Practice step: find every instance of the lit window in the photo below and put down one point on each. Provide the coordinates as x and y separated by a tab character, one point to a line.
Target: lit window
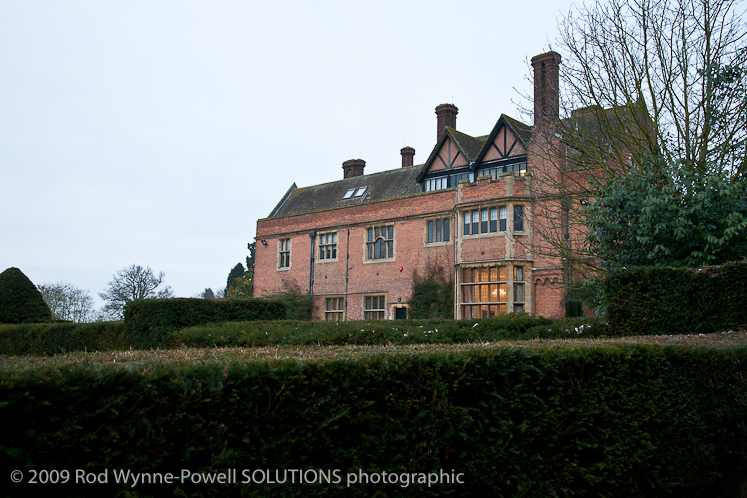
361	191
380	242
438	230
284	253
483	291
334	309
328	246
375	307
349	194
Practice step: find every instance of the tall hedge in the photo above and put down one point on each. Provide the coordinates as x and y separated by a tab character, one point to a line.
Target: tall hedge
149	321
663	300
46	339
520	422
20	300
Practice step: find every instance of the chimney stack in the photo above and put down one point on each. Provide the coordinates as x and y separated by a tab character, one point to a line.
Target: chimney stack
408	153
546	89
446	117
353	167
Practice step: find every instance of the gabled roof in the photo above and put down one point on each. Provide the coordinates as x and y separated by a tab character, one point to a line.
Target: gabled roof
520	130
469	146
381	186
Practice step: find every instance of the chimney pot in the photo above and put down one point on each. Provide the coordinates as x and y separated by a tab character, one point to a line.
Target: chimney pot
446	117
408	153
353	167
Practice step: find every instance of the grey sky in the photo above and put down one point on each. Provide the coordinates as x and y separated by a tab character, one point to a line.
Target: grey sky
157	133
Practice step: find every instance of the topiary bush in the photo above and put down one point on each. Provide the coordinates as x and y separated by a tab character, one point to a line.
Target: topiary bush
20	300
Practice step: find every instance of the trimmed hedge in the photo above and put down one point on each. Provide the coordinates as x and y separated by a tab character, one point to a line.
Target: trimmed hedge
20	300
662	300
521	422
150	320
43	339
502	327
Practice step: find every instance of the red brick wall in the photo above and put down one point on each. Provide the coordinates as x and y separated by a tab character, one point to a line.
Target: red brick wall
409	216
365	277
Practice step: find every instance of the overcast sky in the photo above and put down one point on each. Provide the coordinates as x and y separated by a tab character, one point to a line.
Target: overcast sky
157	133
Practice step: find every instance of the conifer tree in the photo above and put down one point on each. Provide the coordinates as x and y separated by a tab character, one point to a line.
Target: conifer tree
20	300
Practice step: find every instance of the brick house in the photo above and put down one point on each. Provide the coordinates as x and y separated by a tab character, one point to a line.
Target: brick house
355	243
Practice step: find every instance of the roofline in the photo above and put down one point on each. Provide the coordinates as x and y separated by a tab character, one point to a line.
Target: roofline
504	119
283	199
435	150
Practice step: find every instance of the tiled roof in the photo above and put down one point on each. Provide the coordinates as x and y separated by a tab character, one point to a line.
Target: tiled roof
381	186
523	130
471	146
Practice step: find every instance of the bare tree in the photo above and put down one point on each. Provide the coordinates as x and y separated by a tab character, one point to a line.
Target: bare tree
642	83
68	302
130	283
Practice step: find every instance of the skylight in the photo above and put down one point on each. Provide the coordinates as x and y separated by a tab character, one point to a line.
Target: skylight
361	191
349	193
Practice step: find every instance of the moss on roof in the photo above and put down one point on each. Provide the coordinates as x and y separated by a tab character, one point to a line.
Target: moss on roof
381	186
471	146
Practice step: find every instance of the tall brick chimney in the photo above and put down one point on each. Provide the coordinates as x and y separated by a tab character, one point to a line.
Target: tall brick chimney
353	167
546	89
446	117
408	153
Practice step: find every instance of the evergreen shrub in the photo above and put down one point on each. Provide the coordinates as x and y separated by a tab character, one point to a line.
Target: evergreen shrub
665	300
20	300
604	421
148	321
574	308
432	293
55	338
293	333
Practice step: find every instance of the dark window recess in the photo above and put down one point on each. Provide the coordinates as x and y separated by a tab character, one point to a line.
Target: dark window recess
438	230
455	179
380	242
285	255
518	218
484	221
375	307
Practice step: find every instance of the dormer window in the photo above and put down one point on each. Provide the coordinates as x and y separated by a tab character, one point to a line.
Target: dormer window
361	191
349	194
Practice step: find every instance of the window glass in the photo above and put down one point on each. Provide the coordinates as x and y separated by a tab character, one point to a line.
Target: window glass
466	223
431	232
380	242
333	309
349	193
493	219
328	246
483	291
284	254
374	308
518	218
503	218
